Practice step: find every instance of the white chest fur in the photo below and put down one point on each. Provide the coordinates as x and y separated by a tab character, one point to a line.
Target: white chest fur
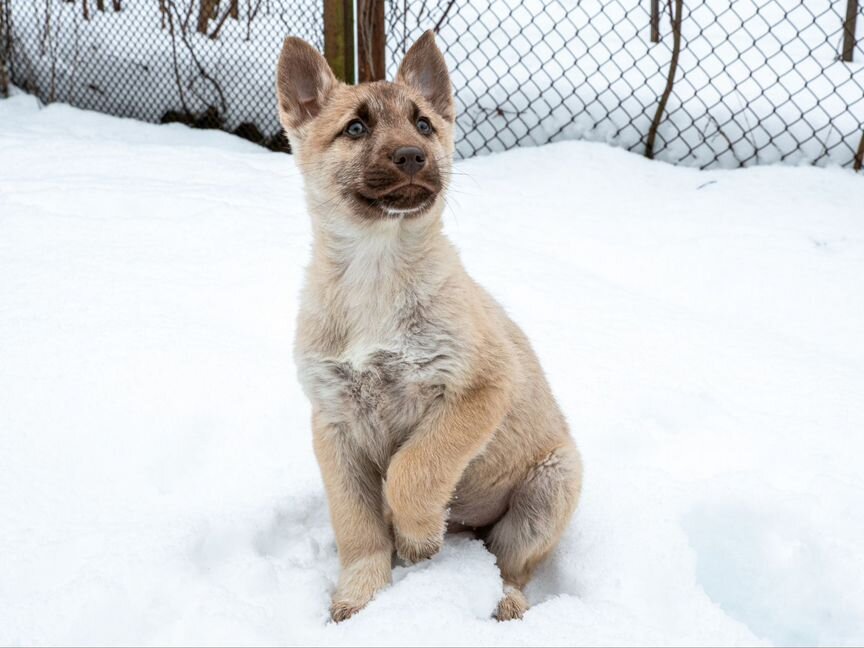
389	355
377	395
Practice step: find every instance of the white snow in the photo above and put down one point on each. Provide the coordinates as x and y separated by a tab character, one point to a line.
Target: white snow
703	331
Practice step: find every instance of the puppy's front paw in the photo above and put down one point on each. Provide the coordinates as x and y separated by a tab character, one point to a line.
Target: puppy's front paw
359	581
341	610
414	550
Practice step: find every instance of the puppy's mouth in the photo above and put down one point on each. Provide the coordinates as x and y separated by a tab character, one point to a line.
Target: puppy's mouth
409	199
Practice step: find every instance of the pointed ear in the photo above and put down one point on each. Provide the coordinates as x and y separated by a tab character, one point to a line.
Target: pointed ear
303	83
425	70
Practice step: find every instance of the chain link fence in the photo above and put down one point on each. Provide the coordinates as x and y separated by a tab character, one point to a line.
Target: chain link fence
734	84
757	81
208	63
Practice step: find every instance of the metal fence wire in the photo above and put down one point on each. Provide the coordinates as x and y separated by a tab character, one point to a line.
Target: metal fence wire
704	83
757	81
209	63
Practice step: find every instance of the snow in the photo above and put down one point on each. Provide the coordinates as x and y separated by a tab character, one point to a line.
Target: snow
701	329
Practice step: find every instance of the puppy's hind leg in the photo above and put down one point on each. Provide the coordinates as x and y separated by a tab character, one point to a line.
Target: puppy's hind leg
540	509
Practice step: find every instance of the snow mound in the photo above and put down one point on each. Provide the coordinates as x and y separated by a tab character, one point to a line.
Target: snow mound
702	331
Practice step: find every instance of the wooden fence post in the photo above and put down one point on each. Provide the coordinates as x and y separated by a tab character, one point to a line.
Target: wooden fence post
849	30
371	39
339	38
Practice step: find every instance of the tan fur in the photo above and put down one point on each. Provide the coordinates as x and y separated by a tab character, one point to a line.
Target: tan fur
429	406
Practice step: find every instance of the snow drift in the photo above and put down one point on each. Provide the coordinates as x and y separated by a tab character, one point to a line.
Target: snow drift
702	331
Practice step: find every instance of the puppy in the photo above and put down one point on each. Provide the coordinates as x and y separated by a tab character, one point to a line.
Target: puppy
429	406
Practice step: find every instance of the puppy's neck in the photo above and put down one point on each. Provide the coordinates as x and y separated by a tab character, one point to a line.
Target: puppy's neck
391	250
369	275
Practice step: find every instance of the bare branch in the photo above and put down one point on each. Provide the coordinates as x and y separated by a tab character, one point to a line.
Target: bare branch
859	156
202	72
174	59
215	33
5	46
443	17
655	21
670	79
849	30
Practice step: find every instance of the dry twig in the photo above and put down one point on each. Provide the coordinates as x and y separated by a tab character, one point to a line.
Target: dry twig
670	79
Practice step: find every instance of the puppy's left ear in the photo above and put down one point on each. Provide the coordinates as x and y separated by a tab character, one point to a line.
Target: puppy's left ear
425	70
303	84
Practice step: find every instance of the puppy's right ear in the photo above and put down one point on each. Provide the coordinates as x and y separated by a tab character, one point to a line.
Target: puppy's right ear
303	83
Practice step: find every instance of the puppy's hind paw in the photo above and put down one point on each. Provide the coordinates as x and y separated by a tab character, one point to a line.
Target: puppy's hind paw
512	606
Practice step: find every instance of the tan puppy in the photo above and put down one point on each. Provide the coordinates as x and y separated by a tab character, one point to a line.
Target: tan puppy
429	405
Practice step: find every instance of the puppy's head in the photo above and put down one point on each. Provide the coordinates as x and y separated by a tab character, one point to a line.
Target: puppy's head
382	149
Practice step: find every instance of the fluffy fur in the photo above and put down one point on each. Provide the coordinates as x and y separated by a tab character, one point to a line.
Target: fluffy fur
430	408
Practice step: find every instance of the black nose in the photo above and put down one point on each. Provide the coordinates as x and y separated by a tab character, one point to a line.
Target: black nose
409	159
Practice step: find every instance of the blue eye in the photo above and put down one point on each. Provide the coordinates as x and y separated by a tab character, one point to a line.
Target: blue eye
355	129
424	126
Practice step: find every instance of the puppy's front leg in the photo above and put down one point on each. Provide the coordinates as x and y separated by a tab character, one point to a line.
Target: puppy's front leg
424	473
356	511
